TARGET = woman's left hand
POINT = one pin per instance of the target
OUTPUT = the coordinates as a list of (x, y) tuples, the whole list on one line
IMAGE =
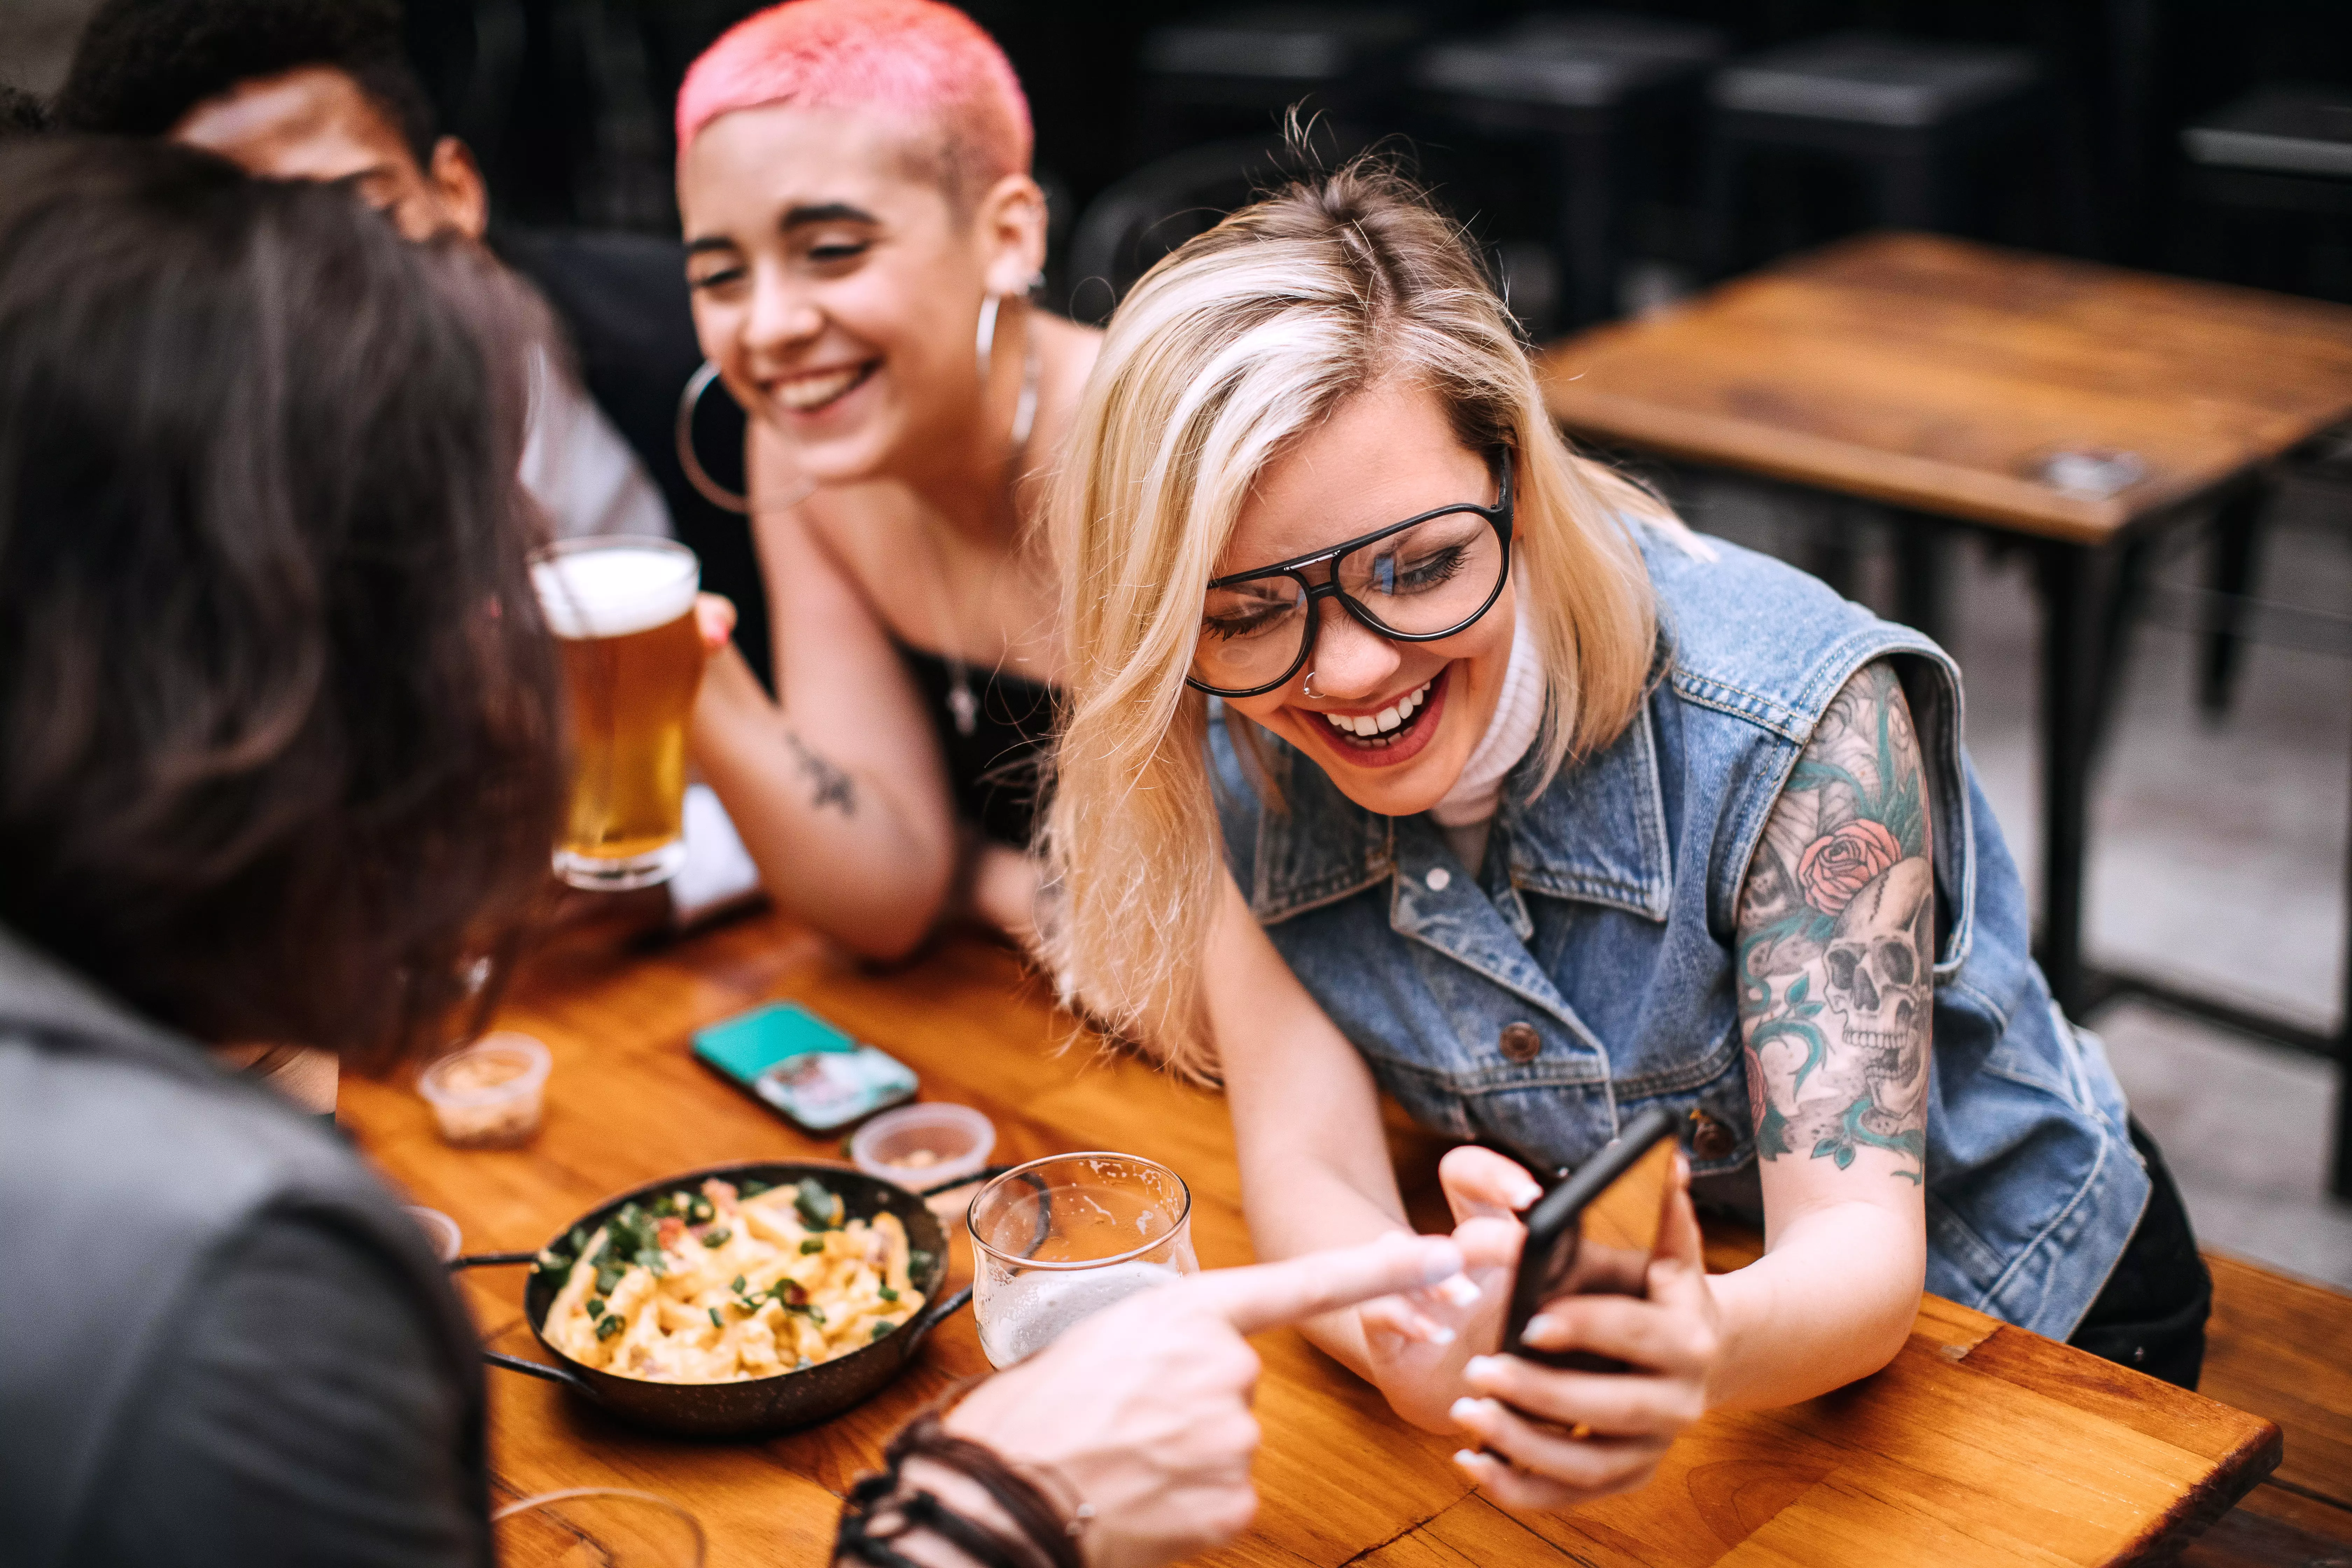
[(1552, 1438)]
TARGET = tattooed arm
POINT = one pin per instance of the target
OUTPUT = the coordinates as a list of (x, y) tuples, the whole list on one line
[(1835, 954), (838, 789)]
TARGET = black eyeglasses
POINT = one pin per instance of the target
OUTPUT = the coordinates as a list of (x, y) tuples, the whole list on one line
[(1420, 580)]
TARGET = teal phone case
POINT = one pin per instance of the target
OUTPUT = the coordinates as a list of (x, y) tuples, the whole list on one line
[(795, 1062)]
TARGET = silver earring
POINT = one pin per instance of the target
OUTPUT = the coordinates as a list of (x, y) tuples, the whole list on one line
[(983, 342), (714, 492)]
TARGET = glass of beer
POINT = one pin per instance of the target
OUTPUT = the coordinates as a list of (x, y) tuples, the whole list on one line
[(622, 611), (1060, 1238)]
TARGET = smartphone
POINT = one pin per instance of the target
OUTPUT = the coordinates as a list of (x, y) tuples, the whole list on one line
[(1595, 1233), (815, 1076)]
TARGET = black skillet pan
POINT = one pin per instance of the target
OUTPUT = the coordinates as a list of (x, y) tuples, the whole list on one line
[(764, 1405)]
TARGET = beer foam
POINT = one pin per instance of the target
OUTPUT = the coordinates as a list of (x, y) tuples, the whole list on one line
[(612, 591)]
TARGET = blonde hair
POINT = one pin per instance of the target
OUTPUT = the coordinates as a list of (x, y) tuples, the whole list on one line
[(1224, 354)]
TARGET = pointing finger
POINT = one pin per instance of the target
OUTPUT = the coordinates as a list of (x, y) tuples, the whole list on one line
[(1269, 1295)]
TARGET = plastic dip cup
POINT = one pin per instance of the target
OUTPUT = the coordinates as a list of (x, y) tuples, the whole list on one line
[(1062, 1237), (923, 1146), (488, 1095)]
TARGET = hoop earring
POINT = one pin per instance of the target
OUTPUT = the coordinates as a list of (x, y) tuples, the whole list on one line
[(984, 339), (711, 490)]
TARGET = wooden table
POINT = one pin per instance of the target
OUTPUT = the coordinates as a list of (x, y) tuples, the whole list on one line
[(1940, 379), (1981, 1444)]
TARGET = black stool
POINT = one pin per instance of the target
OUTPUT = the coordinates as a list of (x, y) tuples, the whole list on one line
[(1233, 73), (2279, 162), (1910, 115), (1603, 89), (1150, 211)]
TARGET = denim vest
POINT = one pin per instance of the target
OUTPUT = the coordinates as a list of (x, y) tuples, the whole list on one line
[(1603, 920)]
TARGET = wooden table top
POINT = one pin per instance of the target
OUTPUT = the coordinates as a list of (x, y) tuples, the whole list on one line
[(1941, 375), (1981, 1444)]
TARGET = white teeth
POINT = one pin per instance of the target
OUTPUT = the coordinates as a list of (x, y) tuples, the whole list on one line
[(814, 390), (1375, 727)]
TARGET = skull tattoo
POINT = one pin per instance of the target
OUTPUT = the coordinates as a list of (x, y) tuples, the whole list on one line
[(1878, 985)]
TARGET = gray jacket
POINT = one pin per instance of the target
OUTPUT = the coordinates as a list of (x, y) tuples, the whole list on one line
[(223, 1343)]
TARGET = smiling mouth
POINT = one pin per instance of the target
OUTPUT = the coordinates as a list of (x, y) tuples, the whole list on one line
[(1377, 731), (807, 393)]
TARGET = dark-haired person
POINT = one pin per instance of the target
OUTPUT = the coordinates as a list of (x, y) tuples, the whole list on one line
[(278, 757)]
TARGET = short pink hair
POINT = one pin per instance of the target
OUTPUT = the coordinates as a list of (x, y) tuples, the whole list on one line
[(912, 56)]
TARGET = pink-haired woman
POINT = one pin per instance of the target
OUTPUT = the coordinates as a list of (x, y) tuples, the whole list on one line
[(863, 235)]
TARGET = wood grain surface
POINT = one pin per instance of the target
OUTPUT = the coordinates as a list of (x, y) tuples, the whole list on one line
[(1941, 375), (1979, 1445)]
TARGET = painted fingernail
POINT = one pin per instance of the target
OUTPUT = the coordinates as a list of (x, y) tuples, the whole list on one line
[(1543, 1326), (1459, 1290), (1464, 1410), (1444, 1263)]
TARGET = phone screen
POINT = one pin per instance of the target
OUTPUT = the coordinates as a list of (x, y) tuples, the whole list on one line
[(1595, 1233), (820, 1078)]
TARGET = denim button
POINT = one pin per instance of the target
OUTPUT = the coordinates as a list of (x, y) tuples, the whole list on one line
[(1437, 878), (1710, 1139), (1520, 1043)]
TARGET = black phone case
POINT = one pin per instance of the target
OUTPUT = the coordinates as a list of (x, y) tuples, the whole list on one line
[(1561, 1208)]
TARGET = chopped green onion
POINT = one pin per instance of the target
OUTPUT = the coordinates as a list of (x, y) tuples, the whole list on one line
[(818, 1206), (880, 1329), (736, 1284), (752, 1188), (716, 1321), (608, 1327), (700, 1211), (918, 1261), (719, 1237), (595, 1307), (814, 1314), (887, 1294), (811, 1245)]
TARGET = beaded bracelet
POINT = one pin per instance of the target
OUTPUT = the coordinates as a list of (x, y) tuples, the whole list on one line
[(1044, 1540)]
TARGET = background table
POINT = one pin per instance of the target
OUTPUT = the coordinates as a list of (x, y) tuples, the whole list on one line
[(1981, 1444), (1940, 379)]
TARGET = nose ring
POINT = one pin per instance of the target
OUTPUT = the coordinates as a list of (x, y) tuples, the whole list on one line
[(1307, 685)]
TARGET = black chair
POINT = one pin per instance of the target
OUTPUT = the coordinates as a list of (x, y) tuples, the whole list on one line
[(2275, 167), (1604, 90), (1234, 73), (1151, 211), (1912, 117)]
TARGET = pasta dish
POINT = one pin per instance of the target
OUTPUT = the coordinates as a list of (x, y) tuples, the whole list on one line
[(724, 1284)]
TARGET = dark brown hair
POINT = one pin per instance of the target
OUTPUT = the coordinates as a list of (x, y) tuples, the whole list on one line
[(280, 721)]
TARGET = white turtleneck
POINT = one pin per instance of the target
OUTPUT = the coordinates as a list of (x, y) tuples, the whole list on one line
[(1466, 812)]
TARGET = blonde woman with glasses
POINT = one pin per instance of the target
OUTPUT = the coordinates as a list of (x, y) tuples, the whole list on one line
[(1409, 752)]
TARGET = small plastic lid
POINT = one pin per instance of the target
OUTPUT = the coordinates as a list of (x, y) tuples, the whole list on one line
[(923, 1146)]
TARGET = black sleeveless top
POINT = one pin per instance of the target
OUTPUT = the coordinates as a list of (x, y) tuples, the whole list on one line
[(996, 772)]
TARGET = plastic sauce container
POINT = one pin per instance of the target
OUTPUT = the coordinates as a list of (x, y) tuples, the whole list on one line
[(490, 1094), (923, 1146)]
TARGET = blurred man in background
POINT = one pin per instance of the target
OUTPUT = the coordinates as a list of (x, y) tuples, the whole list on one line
[(319, 89)]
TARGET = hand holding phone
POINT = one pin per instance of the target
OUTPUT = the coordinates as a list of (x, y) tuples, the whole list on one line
[(1609, 1279)]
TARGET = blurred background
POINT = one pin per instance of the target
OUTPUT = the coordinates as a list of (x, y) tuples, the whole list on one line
[(1612, 163)]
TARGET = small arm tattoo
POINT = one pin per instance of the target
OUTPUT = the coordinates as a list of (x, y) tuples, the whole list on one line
[(829, 786), (1836, 942)]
